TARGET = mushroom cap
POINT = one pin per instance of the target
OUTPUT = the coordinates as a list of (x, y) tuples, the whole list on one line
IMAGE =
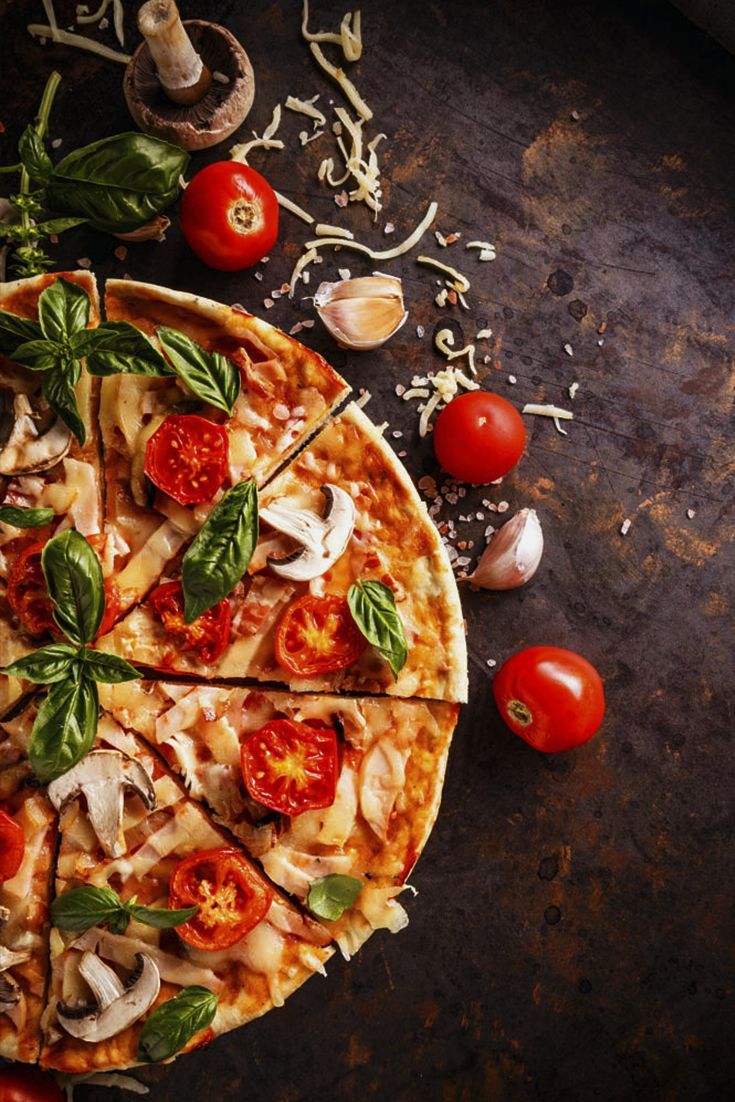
[(217, 114)]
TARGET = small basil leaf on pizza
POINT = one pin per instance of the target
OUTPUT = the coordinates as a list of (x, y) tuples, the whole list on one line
[(63, 309), (65, 727), (58, 389), (82, 908), (373, 608), (173, 1024), (119, 348), (108, 669), (210, 375), (331, 896), (163, 918), (45, 666), (74, 579), (221, 550), (15, 331), (20, 517), (38, 355)]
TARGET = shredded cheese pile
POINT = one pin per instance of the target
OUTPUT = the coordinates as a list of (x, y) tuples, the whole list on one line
[(436, 390), (82, 42)]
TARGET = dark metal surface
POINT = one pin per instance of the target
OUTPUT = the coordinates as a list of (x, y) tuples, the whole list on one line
[(573, 935)]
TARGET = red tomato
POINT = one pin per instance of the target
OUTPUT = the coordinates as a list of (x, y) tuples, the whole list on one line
[(27, 593), (187, 458), (551, 697), (478, 437), (112, 607), (318, 635), (207, 636), (28, 1085), (12, 846), (229, 216), (290, 767), (231, 897)]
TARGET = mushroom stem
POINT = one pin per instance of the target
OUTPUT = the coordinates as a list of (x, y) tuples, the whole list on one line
[(183, 76)]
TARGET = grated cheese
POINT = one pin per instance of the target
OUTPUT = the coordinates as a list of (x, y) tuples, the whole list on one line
[(340, 77), (96, 16), (385, 254), (294, 208), (48, 7), (487, 249), (460, 282), (572, 390), (483, 334), (80, 41), (240, 152), (307, 258), (306, 107), (323, 229), (548, 411), (349, 37), (365, 172)]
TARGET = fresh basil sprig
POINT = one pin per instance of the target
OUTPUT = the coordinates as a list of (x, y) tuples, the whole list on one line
[(210, 375), (74, 579), (119, 348), (174, 1023), (65, 726), (221, 550), (15, 330), (82, 908), (331, 896), (373, 608), (20, 517)]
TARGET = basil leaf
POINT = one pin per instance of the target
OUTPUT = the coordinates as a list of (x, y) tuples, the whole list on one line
[(118, 348), (119, 183), (74, 578), (65, 727), (174, 1023), (107, 668), (36, 160), (38, 355), (373, 609), (221, 550), (21, 517), (63, 309), (210, 375), (82, 908), (15, 331), (58, 390), (163, 918), (45, 666), (58, 225), (331, 896)]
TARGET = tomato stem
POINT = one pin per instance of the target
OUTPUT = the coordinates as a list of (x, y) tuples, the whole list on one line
[(520, 712)]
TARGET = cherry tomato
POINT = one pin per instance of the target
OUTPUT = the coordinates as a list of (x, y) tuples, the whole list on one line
[(478, 437), (187, 458), (27, 593), (290, 767), (207, 636), (232, 898), (318, 635), (12, 846), (19, 1084), (112, 607), (551, 697), (229, 216)]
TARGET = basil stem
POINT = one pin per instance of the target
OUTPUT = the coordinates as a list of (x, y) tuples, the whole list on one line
[(373, 608), (221, 551), (174, 1023)]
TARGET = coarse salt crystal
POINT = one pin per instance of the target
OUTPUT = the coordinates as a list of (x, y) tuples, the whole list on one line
[(84, 262), (691, 513), (389, 228), (568, 349), (268, 302), (512, 379), (420, 331), (341, 199), (625, 526), (491, 662), (503, 506), (120, 252), (258, 275), (281, 411)]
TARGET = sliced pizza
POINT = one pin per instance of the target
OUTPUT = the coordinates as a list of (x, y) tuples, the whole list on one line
[(43, 465), (170, 452), (350, 587), (330, 793)]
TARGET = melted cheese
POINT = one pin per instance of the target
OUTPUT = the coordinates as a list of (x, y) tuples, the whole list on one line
[(382, 776)]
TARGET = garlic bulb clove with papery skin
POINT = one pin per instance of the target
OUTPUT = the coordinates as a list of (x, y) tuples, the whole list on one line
[(513, 554), (362, 313)]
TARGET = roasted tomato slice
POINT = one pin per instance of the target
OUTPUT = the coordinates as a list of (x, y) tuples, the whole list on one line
[(318, 635), (27, 593), (112, 607), (207, 636), (290, 767), (187, 458), (231, 897), (12, 846)]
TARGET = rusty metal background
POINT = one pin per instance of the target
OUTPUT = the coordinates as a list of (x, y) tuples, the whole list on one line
[(573, 936)]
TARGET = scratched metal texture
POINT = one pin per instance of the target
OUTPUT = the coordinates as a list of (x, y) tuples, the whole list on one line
[(572, 938)]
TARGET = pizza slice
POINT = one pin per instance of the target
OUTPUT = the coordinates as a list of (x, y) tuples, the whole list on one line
[(335, 796), (43, 465), (349, 587), (27, 841), (169, 452)]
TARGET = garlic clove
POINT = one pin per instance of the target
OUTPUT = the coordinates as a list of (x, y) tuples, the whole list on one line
[(362, 313), (513, 554)]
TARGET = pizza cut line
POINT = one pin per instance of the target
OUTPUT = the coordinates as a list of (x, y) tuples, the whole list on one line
[(214, 842)]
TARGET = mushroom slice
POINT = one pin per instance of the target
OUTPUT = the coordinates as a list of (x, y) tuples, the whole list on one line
[(323, 538), (102, 778), (9, 993), (25, 451), (4, 915), (116, 1005), (9, 958)]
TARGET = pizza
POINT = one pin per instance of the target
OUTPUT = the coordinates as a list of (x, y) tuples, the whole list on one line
[(178, 856)]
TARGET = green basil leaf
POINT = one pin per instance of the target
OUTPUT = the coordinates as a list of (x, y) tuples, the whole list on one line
[(119, 183), (331, 896), (63, 309), (65, 727), (107, 668), (163, 918), (58, 390), (21, 517), (74, 578), (373, 609), (118, 348), (174, 1023), (210, 375), (82, 908), (39, 355), (15, 331), (221, 550), (58, 225), (36, 160), (45, 666)]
